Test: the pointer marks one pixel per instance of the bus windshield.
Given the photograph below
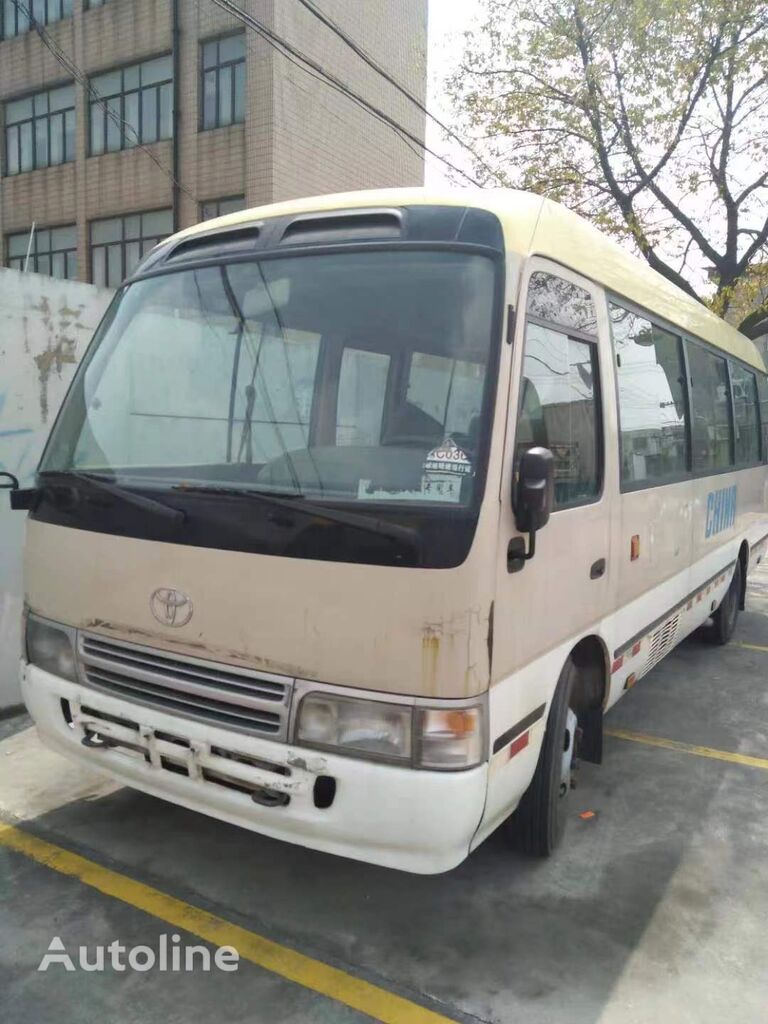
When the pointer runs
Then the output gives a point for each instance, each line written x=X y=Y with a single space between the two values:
x=355 y=377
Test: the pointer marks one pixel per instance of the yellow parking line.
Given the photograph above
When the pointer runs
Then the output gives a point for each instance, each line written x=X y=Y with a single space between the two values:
x=329 y=981
x=753 y=647
x=689 y=748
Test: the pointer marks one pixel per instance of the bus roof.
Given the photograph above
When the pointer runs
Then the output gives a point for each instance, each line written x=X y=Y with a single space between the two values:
x=534 y=225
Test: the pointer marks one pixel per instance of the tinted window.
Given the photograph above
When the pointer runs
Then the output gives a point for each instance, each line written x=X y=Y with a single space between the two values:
x=651 y=379
x=746 y=428
x=711 y=423
x=558 y=301
x=762 y=391
x=558 y=410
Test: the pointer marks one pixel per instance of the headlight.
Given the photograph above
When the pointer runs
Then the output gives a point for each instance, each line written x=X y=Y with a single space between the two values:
x=50 y=648
x=363 y=727
x=441 y=739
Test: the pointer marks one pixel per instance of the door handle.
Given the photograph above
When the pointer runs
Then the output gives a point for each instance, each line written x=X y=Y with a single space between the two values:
x=597 y=569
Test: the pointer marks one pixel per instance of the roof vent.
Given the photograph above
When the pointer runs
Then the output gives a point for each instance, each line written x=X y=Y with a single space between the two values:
x=346 y=226
x=217 y=243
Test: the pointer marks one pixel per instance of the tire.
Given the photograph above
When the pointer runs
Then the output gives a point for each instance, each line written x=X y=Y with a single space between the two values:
x=724 y=619
x=536 y=827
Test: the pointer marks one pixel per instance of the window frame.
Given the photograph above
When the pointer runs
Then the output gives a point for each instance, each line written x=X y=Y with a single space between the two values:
x=45 y=21
x=585 y=337
x=30 y=95
x=202 y=70
x=719 y=354
x=50 y=252
x=758 y=425
x=122 y=242
x=687 y=339
x=626 y=487
x=218 y=200
x=103 y=101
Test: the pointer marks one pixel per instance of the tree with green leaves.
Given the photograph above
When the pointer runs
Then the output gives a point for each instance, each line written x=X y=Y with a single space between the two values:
x=650 y=117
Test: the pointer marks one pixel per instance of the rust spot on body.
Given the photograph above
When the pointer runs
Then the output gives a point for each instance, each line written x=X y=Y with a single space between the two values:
x=430 y=652
x=135 y=634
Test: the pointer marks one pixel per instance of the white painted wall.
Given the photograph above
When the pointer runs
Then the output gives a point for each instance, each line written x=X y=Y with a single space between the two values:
x=45 y=327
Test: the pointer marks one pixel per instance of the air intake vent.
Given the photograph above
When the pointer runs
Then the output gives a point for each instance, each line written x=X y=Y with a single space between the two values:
x=343 y=227
x=662 y=640
x=221 y=243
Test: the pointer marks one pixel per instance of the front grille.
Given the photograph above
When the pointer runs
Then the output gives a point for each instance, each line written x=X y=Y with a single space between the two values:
x=233 y=698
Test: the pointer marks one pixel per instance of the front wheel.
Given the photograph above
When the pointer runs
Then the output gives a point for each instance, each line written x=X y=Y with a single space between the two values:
x=536 y=827
x=724 y=619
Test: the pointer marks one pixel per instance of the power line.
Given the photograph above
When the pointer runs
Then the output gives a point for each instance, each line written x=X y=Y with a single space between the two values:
x=317 y=78
x=387 y=76
x=80 y=76
x=289 y=51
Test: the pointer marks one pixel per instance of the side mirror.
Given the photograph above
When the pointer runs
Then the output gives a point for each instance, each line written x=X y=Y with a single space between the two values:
x=534 y=490
x=532 y=500
x=10 y=483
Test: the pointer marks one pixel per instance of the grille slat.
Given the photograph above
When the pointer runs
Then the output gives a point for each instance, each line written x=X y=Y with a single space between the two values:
x=160 y=665
x=189 y=687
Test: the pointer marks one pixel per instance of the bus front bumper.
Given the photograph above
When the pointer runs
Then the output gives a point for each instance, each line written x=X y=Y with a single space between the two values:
x=418 y=821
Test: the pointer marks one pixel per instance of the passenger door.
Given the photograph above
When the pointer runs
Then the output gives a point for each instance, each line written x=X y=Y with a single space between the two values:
x=562 y=398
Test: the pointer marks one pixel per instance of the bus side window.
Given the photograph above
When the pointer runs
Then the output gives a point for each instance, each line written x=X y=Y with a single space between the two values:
x=650 y=375
x=558 y=410
x=762 y=393
x=710 y=403
x=746 y=423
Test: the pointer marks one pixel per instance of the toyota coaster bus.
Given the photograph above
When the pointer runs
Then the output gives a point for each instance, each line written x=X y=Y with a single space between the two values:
x=362 y=510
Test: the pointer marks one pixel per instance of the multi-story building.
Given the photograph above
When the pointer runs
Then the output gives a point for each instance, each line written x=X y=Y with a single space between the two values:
x=124 y=120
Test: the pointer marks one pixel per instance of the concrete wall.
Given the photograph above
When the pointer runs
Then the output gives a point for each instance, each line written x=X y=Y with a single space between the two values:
x=45 y=327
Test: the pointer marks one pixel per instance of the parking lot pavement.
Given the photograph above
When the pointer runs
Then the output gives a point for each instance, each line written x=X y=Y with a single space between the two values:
x=653 y=910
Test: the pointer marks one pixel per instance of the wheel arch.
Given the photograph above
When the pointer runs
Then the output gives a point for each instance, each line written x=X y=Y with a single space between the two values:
x=592 y=659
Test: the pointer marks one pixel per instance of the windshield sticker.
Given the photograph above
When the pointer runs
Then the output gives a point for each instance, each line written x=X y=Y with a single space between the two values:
x=444 y=469
x=367 y=490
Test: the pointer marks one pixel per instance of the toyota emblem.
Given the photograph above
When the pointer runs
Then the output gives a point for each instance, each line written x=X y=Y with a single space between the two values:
x=170 y=607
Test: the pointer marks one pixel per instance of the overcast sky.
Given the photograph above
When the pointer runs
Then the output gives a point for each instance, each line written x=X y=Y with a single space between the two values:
x=448 y=20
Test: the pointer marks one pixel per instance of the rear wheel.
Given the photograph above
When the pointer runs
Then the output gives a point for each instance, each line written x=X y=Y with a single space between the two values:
x=724 y=619
x=536 y=827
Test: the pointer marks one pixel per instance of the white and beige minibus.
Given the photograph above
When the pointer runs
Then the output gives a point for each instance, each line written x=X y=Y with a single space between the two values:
x=362 y=510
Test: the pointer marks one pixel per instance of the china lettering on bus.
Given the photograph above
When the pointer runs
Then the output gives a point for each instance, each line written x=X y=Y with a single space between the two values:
x=721 y=510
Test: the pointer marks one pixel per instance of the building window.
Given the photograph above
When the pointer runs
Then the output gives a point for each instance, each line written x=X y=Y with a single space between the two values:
x=219 y=207
x=53 y=251
x=95 y=3
x=16 y=17
x=136 y=106
x=223 y=84
x=40 y=130
x=119 y=243
x=652 y=399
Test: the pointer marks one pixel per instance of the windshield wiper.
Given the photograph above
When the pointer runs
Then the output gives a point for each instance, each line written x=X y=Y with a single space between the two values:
x=97 y=483
x=297 y=502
